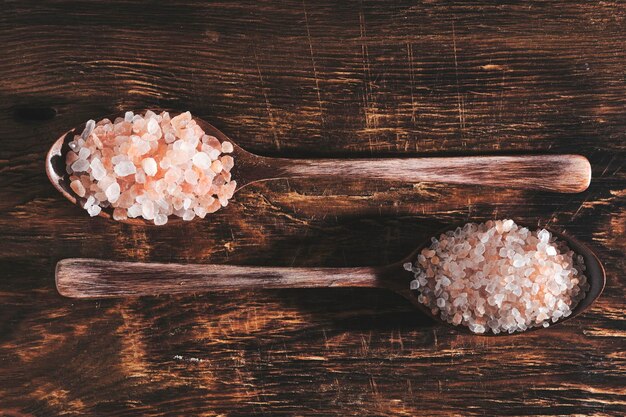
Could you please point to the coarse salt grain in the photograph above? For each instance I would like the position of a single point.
(78, 188)
(125, 168)
(202, 160)
(113, 192)
(227, 147)
(151, 166)
(499, 277)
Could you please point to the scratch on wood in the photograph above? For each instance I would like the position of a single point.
(374, 386)
(267, 102)
(607, 166)
(317, 82)
(409, 52)
(559, 210)
(501, 106)
(370, 120)
(458, 87)
(580, 207)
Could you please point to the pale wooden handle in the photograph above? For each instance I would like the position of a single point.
(558, 173)
(94, 278)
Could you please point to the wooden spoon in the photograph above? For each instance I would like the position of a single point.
(93, 278)
(557, 173)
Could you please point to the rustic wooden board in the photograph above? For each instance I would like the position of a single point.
(309, 79)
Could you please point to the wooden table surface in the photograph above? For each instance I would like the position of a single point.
(309, 79)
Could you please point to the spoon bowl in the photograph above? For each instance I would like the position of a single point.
(595, 273)
(93, 278)
(58, 176)
(556, 173)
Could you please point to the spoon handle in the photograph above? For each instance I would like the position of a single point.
(558, 173)
(94, 278)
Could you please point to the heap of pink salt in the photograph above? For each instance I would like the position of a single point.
(499, 277)
(150, 166)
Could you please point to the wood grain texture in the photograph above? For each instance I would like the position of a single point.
(96, 278)
(309, 80)
(556, 173)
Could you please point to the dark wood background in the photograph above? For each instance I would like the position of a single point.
(309, 79)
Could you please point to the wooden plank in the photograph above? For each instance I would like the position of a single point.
(309, 79)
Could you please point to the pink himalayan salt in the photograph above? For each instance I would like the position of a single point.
(78, 188)
(152, 166)
(149, 166)
(499, 277)
(227, 147)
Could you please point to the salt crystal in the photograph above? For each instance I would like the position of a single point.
(200, 211)
(84, 153)
(160, 219)
(142, 147)
(213, 153)
(153, 126)
(119, 158)
(125, 168)
(91, 200)
(202, 160)
(89, 127)
(113, 192)
(170, 137)
(119, 214)
(191, 176)
(227, 147)
(80, 165)
(147, 210)
(165, 163)
(78, 188)
(222, 200)
(216, 166)
(134, 211)
(94, 210)
(227, 162)
(479, 328)
(149, 166)
(140, 176)
(543, 235)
